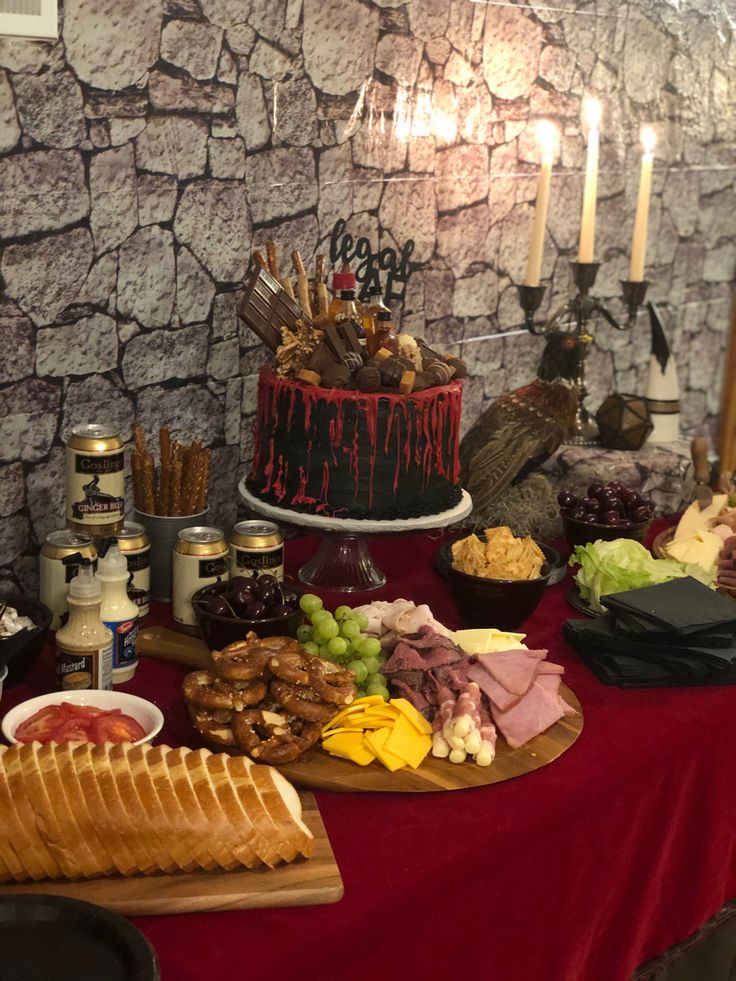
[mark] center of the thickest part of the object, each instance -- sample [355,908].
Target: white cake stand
[342,561]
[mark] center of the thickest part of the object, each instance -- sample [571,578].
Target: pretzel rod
[140,438]
[323,300]
[319,277]
[164,474]
[259,260]
[302,284]
[203,487]
[149,498]
[175,507]
[287,285]
[136,466]
[198,487]
[298,264]
[190,477]
[273,261]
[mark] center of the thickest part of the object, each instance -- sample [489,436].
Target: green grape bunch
[339,637]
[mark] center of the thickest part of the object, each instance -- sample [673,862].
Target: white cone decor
[663,387]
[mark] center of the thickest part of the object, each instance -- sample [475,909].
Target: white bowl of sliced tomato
[93,716]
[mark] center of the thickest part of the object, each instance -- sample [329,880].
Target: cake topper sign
[386,267]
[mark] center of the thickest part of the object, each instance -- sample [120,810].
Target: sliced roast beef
[407,656]
[417,698]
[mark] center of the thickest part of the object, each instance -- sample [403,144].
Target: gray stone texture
[81,348]
[44,275]
[173,145]
[144,155]
[146,277]
[111,44]
[213,220]
[114,192]
[163,354]
[42,190]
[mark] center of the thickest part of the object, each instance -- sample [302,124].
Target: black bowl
[502,603]
[579,532]
[21,653]
[218,631]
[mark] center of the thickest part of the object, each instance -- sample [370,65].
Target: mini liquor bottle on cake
[349,431]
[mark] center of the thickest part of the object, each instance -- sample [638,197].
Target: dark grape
[616,504]
[280,610]
[267,577]
[254,610]
[577,513]
[265,591]
[590,504]
[595,489]
[566,500]
[218,606]
[640,514]
[611,518]
[615,485]
[590,519]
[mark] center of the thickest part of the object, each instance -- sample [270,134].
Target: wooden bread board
[305,882]
[318,770]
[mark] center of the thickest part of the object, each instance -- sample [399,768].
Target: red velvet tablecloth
[579,871]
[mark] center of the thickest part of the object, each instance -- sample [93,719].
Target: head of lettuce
[623,564]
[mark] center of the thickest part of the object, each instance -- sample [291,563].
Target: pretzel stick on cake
[302,283]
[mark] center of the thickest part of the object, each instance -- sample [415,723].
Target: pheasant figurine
[520,429]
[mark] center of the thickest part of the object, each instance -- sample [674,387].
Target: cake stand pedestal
[343,562]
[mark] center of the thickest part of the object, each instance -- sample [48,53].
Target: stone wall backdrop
[145,153]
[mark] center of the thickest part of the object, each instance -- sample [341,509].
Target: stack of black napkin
[673,634]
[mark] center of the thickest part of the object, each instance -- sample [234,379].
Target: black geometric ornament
[623,422]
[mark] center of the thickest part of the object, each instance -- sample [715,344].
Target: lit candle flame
[592,113]
[648,139]
[547,134]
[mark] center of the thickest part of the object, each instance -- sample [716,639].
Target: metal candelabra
[576,315]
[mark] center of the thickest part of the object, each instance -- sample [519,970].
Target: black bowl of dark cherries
[607,511]
[227,611]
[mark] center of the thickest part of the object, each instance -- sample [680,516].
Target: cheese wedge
[702,548]
[694,520]
[405,742]
[487,640]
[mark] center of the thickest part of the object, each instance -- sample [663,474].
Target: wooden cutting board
[305,882]
[320,771]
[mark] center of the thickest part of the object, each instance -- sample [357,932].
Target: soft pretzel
[240,661]
[292,666]
[206,690]
[273,739]
[332,684]
[214,725]
[302,701]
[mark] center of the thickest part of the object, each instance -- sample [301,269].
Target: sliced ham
[531,715]
[496,694]
[515,670]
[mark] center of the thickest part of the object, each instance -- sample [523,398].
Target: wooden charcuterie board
[305,882]
[317,770]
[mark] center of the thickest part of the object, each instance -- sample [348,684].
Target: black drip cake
[351,454]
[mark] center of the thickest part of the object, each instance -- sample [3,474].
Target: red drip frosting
[421,432]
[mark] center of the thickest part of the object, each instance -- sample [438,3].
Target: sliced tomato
[72,711]
[115,727]
[73,730]
[40,726]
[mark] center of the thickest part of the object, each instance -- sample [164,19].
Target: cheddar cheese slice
[376,742]
[405,742]
[350,746]
[412,715]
